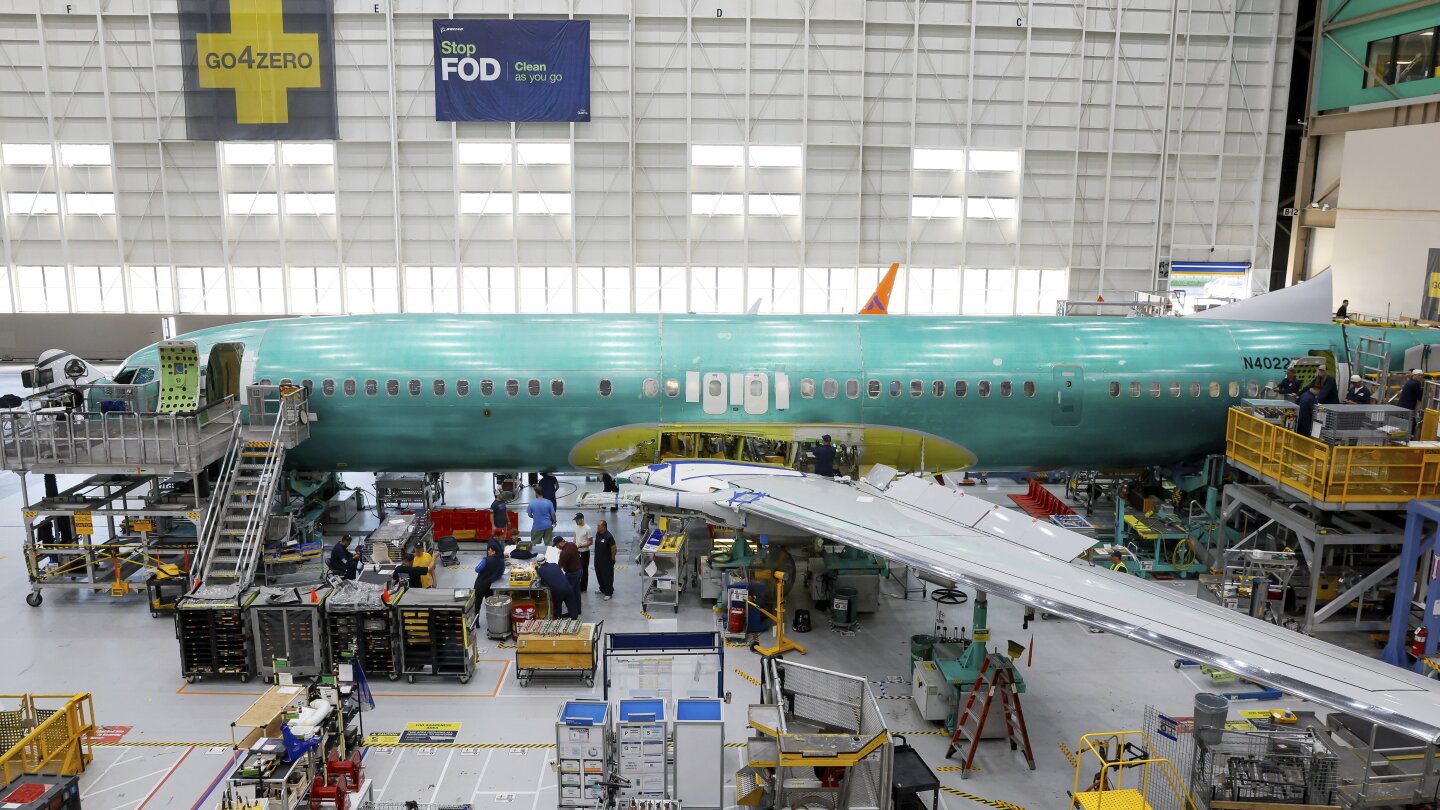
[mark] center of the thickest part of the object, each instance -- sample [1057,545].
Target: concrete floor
[177,748]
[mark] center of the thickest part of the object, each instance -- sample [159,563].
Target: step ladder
[1371,360]
[233,535]
[997,677]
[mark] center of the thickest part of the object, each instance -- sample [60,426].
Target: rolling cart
[362,627]
[214,637]
[287,624]
[662,569]
[557,648]
[435,637]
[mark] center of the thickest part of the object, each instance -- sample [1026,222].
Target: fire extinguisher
[1417,645]
[738,617]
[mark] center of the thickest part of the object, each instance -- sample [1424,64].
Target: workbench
[523,590]
[265,715]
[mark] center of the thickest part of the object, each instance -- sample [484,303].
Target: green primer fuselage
[1072,419]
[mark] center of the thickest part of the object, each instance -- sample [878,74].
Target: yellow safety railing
[1429,424]
[1121,783]
[1331,474]
[56,740]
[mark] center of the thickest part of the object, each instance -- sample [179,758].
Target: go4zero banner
[512,70]
[259,70]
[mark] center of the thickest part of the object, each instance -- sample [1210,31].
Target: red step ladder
[1039,502]
[997,675]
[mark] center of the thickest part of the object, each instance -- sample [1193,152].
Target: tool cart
[287,624]
[557,648]
[662,569]
[435,637]
[361,626]
[214,637]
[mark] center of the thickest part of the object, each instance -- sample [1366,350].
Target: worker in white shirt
[584,541]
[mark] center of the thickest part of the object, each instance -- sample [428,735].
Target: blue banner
[512,70]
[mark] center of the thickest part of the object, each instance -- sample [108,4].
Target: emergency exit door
[1069,384]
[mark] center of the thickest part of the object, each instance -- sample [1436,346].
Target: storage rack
[583,745]
[287,624]
[435,637]
[643,737]
[359,624]
[214,637]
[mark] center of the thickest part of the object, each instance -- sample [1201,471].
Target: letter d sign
[469,69]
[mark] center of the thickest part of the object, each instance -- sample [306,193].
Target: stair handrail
[265,492]
[219,496]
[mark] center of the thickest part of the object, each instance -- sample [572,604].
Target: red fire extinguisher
[1417,644]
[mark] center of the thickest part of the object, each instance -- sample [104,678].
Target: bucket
[522,612]
[1210,713]
[922,646]
[497,616]
[842,606]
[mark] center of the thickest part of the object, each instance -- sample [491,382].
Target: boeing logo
[444,30]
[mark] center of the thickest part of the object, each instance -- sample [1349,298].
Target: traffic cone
[385,595]
[314,598]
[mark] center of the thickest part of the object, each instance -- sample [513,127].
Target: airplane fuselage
[572,392]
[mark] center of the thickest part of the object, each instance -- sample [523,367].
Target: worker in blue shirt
[342,563]
[1329,393]
[824,454]
[1358,393]
[1290,386]
[1412,391]
[500,515]
[488,572]
[542,521]
[549,485]
[561,592]
[1305,419]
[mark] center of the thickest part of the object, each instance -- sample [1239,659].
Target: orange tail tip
[879,303]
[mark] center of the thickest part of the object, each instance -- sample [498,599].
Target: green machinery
[961,670]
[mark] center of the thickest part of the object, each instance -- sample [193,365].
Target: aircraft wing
[969,541]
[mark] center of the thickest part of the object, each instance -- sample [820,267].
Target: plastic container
[922,647]
[497,616]
[522,612]
[842,606]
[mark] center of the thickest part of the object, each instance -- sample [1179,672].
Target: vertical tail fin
[879,303]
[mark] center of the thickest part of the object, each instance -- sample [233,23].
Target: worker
[1358,393]
[561,594]
[1412,391]
[609,484]
[584,539]
[412,571]
[1305,419]
[548,486]
[342,563]
[488,572]
[606,552]
[569,561]
[542,521]
[1343,311]
[824,454]
[1117,563]
[500,515]
[1290,386]
[425,560]
[1329,393]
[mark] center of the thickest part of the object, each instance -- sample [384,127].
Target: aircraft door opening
[714,398]
[757,393]
[222,371]
[1069,397]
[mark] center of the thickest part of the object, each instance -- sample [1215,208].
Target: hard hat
[1355,378]
[1415,371]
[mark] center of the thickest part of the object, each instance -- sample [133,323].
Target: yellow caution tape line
[1002,805]
[895,697]
[742,673]
[735,745]
[646,614]
[929,732]
[1069,755]
[506,645]
[972,768]
[149,744]
[479,746]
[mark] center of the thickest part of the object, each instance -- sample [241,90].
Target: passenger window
[894,388]
[1115,388]
[1234,388]
[371,388]
[414,388]
[1155,389]
[1214,388]
[1195,389]
[605,388]
[328,388]
[1005,388]
[286,381]
[1134,388]
[829,389]
[557,388]
[672,388]
[438,388]
[852,389]
[265,381]
[462,388]
[873,389]
[487,388]
[937,388]
[1029,388]
[652,387]
[348,387]
[960,388]
[917,388]
[308,385]
[1175,388]
[533,388]
[512,388]
[1252,388]
[983,388]
[807,388]
[392,388]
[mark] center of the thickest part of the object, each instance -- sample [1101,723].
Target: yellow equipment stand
[782,644]
[1108,789]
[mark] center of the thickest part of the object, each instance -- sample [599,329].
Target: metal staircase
[1371,360]
[232,536]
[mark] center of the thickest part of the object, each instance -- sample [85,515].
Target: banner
[1208,283]
[259,70]
[1430,302]
[512,70]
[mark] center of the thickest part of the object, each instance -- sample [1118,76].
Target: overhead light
[717,155]
[85,154]
[937,207]
[27,154]
[776,156]
[942,159]
[491,154]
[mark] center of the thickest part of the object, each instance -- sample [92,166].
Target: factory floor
[175,747]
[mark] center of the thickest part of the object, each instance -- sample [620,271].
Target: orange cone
[314,598]
[385,595]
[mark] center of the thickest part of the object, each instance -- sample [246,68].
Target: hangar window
[1115,388]
[462,388]
[1029,388]
[652,387]
[1214,388]
[487,388]
[1195,388]
[961,388]
[1175,388]
[533,387]
[829,389]
[1252,388]
[392,388]
[983,388]
[557,388]
[807,388]
[414,388]
[605,388]
[348,387]
[1234,388]
[917,388]
[512,388]
[1134,388]
[328,388]
[1155,389]
[672,388]
[1005,388]
[852,389]
[371,388]
[438,387]
[894,388]
[937,388]
[873,389]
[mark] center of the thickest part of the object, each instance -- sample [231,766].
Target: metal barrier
[52,740]
[1331,476]
[282,406]
[1116,776]
[65,440]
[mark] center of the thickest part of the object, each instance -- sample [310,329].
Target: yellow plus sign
[259,61]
